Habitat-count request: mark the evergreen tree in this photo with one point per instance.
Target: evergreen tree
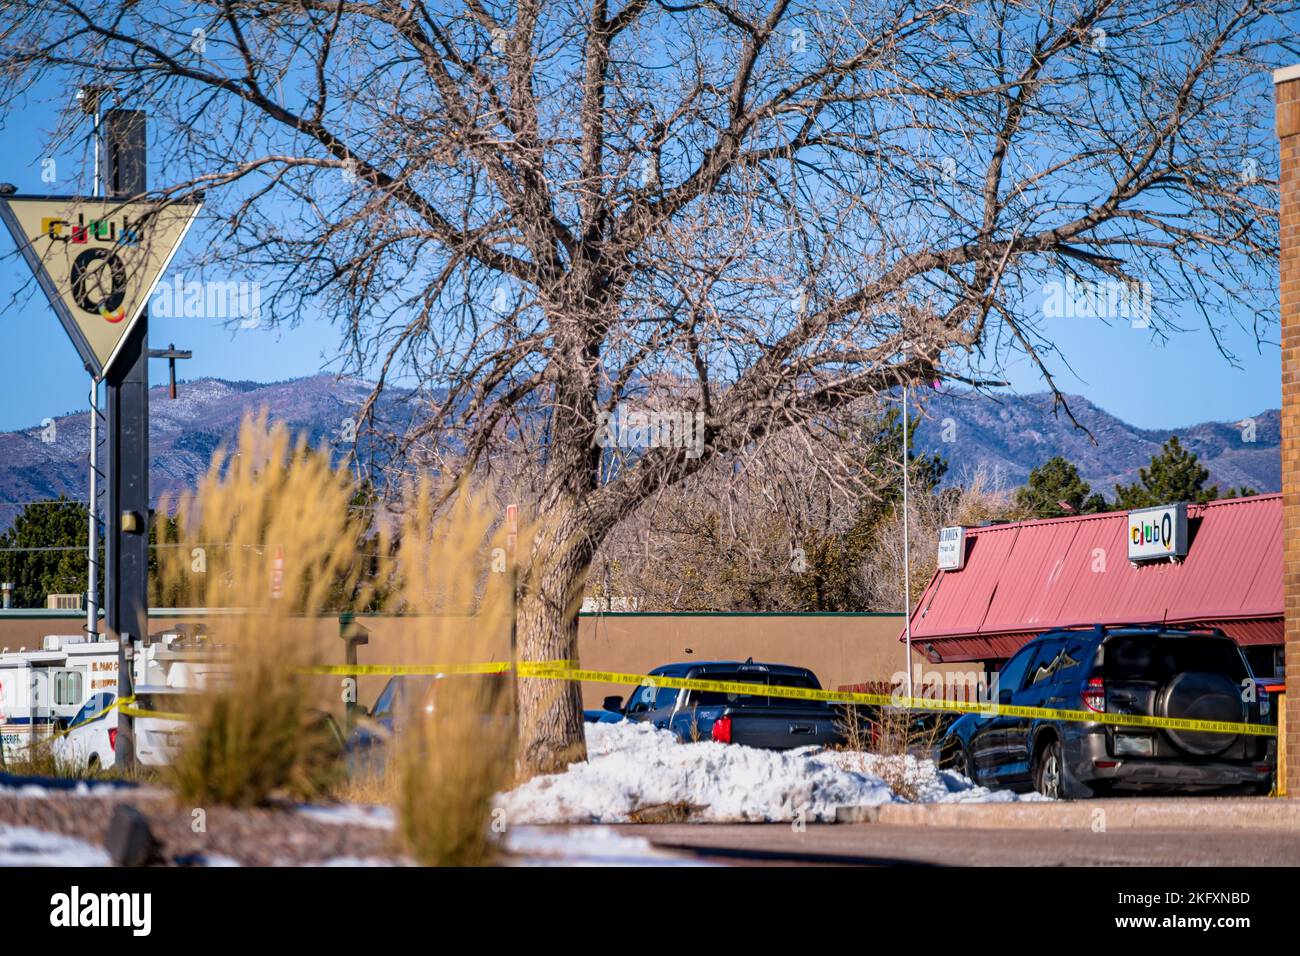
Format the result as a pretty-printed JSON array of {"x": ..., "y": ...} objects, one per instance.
[
  {"x": 44, "y": 551},
  {"x": 1054, "y": 489},
  {"x": 885, "y": 436},
  {"x": 1174, "y": 475}
]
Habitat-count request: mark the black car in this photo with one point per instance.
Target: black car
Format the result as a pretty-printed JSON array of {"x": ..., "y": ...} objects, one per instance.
[
  {"x": 1157, "y": 671},
  {"x": 773, "y": 723}
]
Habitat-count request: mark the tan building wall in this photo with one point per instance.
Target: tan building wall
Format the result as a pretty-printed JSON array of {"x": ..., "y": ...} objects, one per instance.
[
  {"x": 840, "y": 648},
  {"x": 1288, "y": 131}
]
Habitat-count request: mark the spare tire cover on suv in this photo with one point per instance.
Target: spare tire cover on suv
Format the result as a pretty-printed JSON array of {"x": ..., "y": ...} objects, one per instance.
[{"x": 1197, "y": 695}]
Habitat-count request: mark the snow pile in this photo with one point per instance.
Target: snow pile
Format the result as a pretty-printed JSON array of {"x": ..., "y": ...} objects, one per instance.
[
  {"x": 633, "y": 768},
  {"x": 27, "y": 846},
  {"x": 916, "y": 780},
  {"x": 350, "y": 814},
  {"x": 41, "y": 787},
  {"x": 527, "y": 846}
]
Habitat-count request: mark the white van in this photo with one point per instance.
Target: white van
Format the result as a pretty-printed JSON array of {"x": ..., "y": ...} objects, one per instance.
[
  {"x": 41, "y": 691},
  {"x": 71, "y": 681}
]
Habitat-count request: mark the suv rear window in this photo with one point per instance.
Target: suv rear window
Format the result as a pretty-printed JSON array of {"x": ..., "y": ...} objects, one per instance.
[
  {"x": 1158, "y": 658},
  {"x": 713, "y": 698}
]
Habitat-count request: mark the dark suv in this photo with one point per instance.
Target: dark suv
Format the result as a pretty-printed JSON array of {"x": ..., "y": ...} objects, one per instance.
[{"x": 1159, "y": 671}]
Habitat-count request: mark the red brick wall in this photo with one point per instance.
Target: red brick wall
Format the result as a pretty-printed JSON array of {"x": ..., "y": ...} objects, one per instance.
[{"x": 1288, "y": 131}]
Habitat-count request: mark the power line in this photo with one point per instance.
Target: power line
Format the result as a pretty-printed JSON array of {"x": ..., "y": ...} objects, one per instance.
[
  {"x": 156, "y": 499},
  {"x": 152, "y": 544}
]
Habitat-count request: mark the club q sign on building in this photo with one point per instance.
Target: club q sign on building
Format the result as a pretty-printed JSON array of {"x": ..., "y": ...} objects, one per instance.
[{"x": 1158, "y": 533}]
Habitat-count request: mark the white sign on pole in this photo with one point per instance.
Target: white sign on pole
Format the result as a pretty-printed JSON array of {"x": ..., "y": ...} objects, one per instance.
[
  {"x": 952, "y": 549},
  {"x": 1156, "y": 533},
  {"x": 97, "y": 260}
]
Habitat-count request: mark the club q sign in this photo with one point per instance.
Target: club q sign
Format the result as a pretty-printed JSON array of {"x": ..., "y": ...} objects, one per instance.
[
  {"x": 1158, "y": 533},
  {"x": 97, "y": 261}
]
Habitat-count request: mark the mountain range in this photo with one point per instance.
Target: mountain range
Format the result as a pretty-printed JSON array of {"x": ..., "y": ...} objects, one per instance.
[
  {"x": 1008, "y": 435},
  {"x": 1005, "y": 435}
]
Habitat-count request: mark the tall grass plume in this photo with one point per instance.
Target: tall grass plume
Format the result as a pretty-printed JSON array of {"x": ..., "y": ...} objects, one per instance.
[
  {"x": 454, "y": 731},
  {"x": 268, "y": 537}
]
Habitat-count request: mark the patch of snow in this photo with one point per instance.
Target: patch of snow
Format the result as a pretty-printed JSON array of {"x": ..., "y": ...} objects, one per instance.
[
  {"x": 922, "y": 780},
  {"x": 585, "y": 846},
  {"x": 81, "y": 788},
  {"x": 530, "y": 846},
  {"x": 31, "y": 790},
  {"x": 634, "y": 766},
  {"x": 28, "y": 846},
  {"x": 367, "y": 861},
  {"x": 350, "y": 814}
]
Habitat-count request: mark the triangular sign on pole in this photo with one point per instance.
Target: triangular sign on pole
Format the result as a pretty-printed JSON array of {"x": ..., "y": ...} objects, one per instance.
[{"x": 97, "y": 261}]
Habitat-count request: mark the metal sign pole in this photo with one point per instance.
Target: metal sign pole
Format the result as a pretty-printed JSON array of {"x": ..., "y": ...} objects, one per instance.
[
  {"x": 907, "y": 556},
  {"x": 127, "y": 390},
  {"x": 90, "y": 97},
  {"x": 92, "y": 531}
]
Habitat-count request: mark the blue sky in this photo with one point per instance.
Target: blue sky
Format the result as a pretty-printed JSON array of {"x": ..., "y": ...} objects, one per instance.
[{"x": 1126, "y": 371}]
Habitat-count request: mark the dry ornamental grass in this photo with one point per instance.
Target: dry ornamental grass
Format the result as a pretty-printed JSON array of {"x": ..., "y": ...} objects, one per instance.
[{"x": 290, "y": 549}]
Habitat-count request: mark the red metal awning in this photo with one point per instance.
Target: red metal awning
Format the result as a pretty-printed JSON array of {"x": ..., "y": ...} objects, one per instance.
[{"x": 1025, "y": 578}]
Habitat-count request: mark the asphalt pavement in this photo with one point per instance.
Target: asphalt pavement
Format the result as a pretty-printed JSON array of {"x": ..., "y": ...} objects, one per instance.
[{"x": 1151, "y": 832}]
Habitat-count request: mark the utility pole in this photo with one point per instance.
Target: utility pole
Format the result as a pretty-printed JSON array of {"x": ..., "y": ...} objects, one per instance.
[
  {"x": 127, "y": 389},
  {"x": 171, "y": 353}
]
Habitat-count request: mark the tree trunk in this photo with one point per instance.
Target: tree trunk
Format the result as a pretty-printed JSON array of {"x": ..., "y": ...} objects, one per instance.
[
  {"x": 550, "y": 711},
  {"x": 551, "y": 734}
]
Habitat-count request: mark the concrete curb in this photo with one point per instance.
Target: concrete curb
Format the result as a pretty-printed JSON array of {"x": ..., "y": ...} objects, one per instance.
[{"x": 1167, "y": 814}]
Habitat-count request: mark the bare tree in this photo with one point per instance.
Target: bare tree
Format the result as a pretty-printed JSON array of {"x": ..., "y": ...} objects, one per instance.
[
  {"x": 785, "y": 525},
  {"x": 538, "y": 210}
]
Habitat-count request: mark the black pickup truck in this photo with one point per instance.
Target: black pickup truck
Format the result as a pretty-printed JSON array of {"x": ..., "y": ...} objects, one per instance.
[{"x": 755, "y": 720}]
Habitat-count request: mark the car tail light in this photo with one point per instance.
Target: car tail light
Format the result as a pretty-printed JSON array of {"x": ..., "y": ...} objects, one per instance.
[
  {"x": 1094, "y": 695},
  {"x": 1263, "y": 768},
  {"x": 112, "y": 738},
  {"x": 722, "y": 730}
]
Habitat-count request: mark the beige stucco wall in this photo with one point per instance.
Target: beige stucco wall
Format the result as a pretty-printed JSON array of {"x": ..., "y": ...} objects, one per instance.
[{"x": 839, "y": 648}]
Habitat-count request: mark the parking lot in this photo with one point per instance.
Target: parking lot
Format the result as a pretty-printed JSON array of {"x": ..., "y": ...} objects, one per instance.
[{"x": 1198, "y": 832}]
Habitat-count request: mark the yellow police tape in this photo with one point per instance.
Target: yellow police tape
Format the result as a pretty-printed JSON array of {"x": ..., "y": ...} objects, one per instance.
[
  {"x": 67, "y": 730},
  {"x": 124, "y": 704},
  {"x": 156, "y": 714},
  {"x": 564, "y": 670}
]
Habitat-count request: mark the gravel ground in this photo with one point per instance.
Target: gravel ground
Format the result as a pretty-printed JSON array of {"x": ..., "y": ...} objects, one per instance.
[{"x": 261, "y": 837}]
